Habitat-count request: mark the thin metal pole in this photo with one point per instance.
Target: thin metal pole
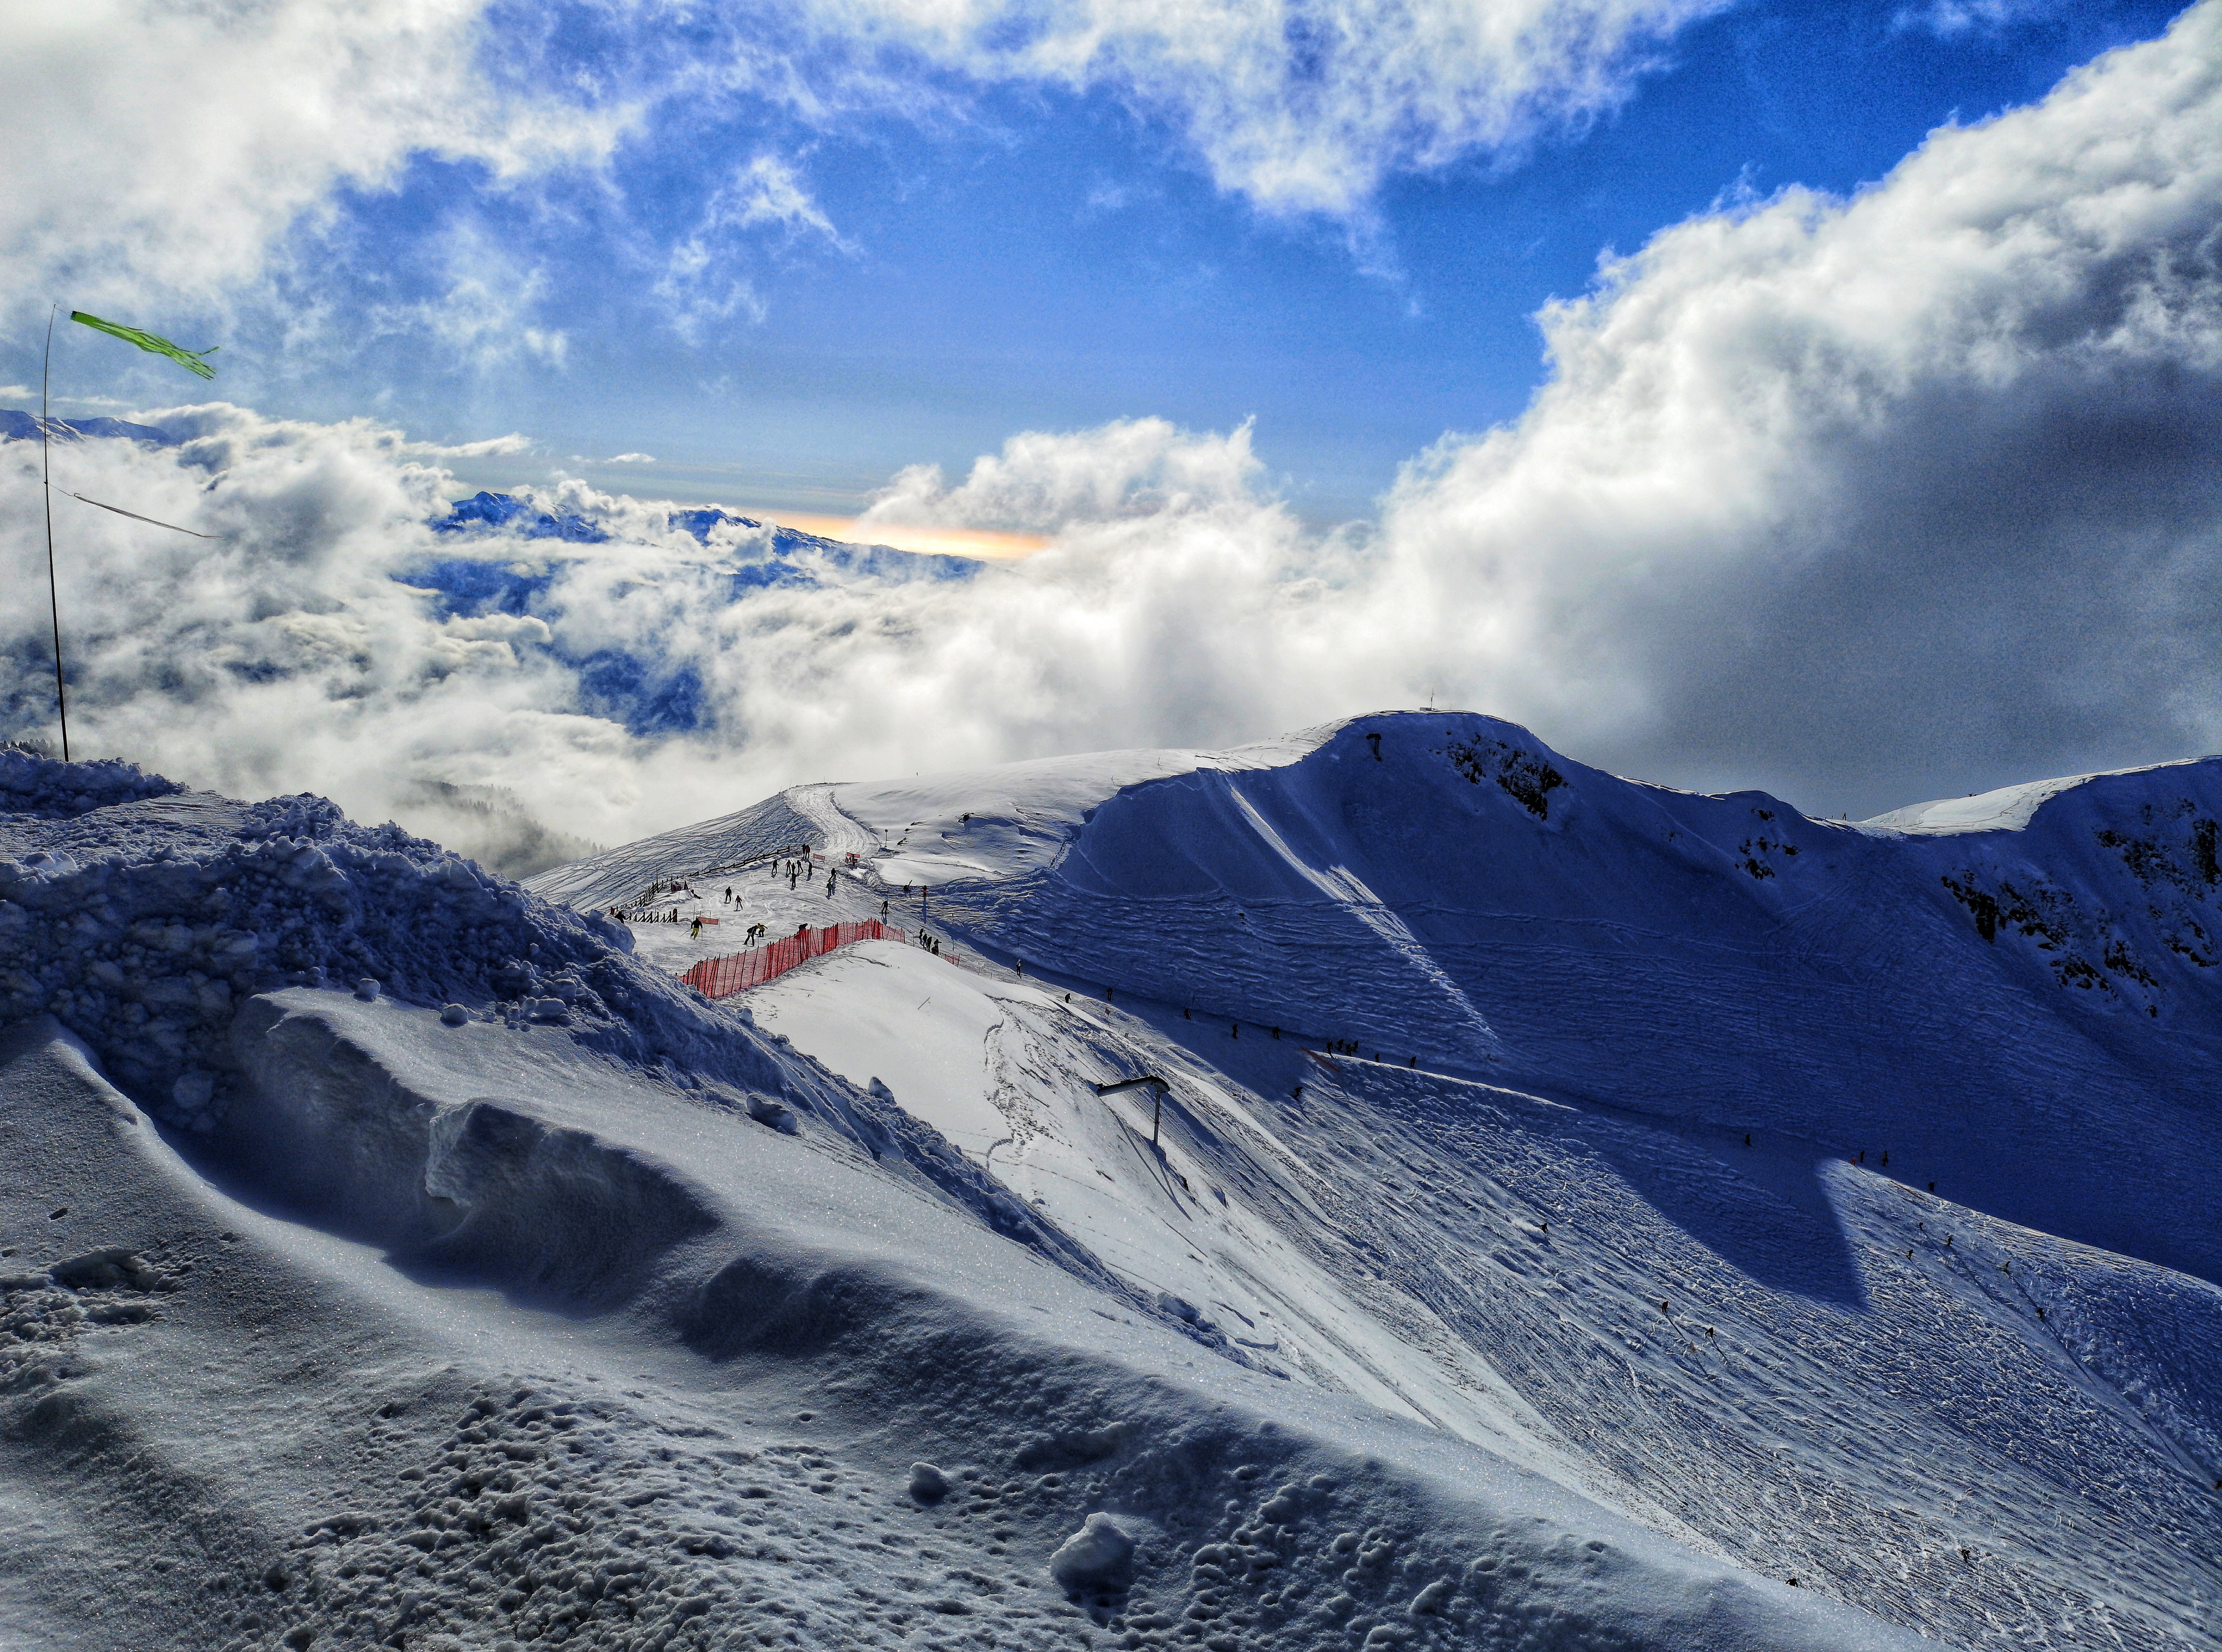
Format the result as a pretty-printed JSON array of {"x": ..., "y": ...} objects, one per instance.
[{"x": 46, "y": 482}]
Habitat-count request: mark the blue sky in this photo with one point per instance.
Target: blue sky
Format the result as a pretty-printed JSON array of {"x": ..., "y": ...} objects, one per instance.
[{"x": 996, "y": 258}]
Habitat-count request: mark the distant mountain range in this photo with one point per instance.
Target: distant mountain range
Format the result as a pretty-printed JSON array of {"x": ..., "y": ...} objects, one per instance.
[{"x": 16, "y": 425}]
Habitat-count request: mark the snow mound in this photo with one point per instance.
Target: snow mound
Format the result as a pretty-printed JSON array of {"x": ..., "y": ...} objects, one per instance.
[
  {"x": 1099, "y": 1557},
  {"x": 45, "y": 790}
]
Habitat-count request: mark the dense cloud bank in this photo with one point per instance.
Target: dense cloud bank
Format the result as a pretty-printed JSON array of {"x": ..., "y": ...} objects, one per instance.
[
  {"x": 1863, "y": 501},
  {"x": 1880, "y": 495}
]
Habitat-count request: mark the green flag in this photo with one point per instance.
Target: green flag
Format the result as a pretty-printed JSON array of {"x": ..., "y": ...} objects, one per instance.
[{"x": 189, "y": 360}]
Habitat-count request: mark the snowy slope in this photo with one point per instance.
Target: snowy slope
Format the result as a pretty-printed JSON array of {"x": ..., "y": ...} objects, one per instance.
[
  {"x": 517, "y": 1295},
  {"x": 1999, "y": 1008},
  {"x": 1641, "y": 1194},
  {"x": 501, "y": 1294}
]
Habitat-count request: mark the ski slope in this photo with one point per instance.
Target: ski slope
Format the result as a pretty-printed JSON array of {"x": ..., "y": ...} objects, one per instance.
[{"x": 1537, "y": 1248}]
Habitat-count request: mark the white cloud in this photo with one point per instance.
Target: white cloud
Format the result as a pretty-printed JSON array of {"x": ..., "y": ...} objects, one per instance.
[
  {"x": 1871, "y": 494},
  {"x": 1302, "y": 105},
  {"x": 768, "y": 191},
  {"x": 162, "y": 151},
  {"x": 550, "y": 345},
  {"x": 1947, "y": 18},
  {"x": 630, "y": 458},
  {"x": 161, "y": 148},
  {"x": 1864, "y": 500},
  {"x": 1042, "y": 483},
  {"x": 287, "y": 655},
  {"x": 484, "y": 314},
  {"x": 703, "y": 280},
  {"x": 488, "y": 447}
]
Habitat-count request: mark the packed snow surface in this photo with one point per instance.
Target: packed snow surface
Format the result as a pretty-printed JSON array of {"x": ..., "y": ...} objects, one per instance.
[{"x": 1390, "y": 1187}]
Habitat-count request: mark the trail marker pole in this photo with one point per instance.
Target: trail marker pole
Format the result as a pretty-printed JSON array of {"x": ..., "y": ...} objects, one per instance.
[
  {"x": 46, "y": 486},
  {"x": 1156, "y": 1097}
]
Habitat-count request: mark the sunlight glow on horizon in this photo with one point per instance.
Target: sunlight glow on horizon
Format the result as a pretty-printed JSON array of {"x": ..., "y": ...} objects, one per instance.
[{"x": 982, "y": 544}]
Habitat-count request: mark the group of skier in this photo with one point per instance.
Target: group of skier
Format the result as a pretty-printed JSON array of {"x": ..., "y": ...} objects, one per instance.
[{"x": 793, "y": 867}]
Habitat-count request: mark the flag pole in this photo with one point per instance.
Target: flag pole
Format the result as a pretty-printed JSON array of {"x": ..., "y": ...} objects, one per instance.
[{"x": 47, "y": 481}]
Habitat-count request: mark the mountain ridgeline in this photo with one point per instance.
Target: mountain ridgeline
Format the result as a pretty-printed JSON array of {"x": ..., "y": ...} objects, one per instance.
[{"x": 2016, "y": 996}]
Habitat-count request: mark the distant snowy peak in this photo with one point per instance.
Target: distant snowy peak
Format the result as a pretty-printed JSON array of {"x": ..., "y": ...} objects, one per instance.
[
  {"x": 1014, "y": 818},
  {"x": 2011, "y": 808},
  {"x": 487, "y": 512},
  {"x": 994, "y": 823}
]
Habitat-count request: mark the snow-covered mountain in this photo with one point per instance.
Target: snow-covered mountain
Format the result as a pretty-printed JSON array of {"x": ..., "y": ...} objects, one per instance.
[
  {"x": 2013, "y": 994},
  {"x": 1569, "y": 1212}
]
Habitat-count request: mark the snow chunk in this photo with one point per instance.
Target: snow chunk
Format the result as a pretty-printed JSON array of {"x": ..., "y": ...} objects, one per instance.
[{"x": 1100, "y": 1555}]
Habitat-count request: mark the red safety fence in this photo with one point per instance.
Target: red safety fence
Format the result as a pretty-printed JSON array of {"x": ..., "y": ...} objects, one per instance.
[{"x": 720, "y": 978}]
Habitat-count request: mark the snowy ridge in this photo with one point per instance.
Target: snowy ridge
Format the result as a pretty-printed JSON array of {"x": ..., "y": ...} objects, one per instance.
[{"x": 1727, "y": 959}]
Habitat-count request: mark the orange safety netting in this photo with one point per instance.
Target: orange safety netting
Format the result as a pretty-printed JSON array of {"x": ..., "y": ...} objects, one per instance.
[{"x": 720, "y": 978}]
